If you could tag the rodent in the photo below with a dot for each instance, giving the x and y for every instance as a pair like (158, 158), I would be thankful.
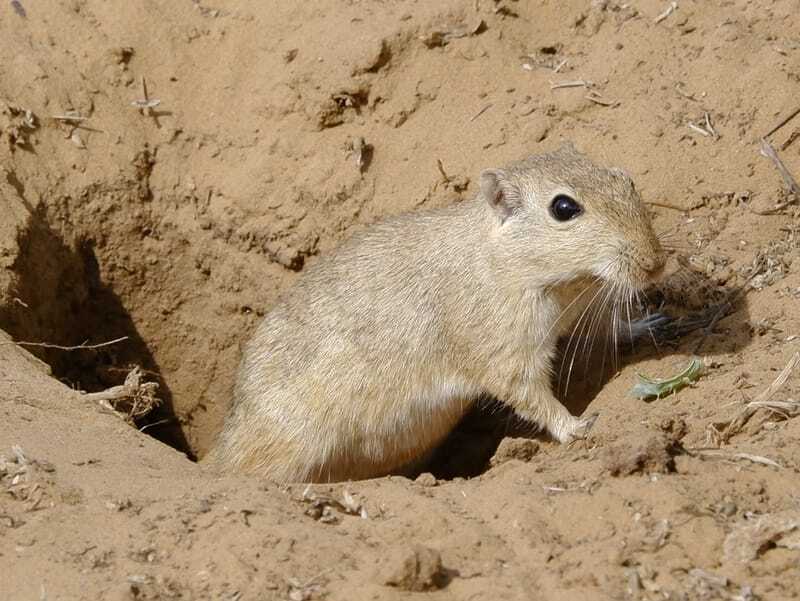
(377, 351)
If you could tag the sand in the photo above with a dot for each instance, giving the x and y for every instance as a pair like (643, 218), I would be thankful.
(271, 131)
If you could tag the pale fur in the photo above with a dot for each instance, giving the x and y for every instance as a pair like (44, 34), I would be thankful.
(378, 350)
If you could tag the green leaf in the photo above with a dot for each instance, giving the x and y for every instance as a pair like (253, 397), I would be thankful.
(650, 388)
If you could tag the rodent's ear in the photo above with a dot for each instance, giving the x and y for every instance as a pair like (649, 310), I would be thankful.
(502, 195)
(620, 172)
(568, 148)
(624, 176)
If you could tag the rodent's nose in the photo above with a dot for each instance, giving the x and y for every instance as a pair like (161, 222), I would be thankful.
(653, 265)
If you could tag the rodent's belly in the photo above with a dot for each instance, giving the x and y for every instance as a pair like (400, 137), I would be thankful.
(400, 430)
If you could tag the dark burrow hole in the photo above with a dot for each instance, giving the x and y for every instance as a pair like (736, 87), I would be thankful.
(64, 301)
(468, 450)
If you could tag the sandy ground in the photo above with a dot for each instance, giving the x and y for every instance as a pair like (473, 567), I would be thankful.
(280, 128)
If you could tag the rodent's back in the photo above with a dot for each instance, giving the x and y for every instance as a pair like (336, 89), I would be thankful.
(318, 346)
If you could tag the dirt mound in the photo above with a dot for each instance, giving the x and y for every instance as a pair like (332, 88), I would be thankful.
(166, 170)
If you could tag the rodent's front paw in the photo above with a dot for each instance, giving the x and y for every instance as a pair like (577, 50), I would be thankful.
(578, 429)
(653, 326)
(585, 425)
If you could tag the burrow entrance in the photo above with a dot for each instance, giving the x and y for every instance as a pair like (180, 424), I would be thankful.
(60, 299)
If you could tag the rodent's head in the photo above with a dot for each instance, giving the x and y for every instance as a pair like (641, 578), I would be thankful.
(559, 218)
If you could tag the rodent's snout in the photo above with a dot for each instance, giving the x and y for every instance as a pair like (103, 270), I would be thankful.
(652, 263)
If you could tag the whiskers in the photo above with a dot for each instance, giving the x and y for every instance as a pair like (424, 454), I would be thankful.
(674, 244)
(602, 319)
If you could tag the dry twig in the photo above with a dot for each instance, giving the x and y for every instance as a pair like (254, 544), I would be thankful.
(81, 346)
(666, 205)
(762, 401)
(134, 398)
(783, 122)
(706, 129)
(145, 104)
(578, 83)
(440, 166)
(715, 453)
(480, 112)
(673, 6)
(598, 99)
(794, 189)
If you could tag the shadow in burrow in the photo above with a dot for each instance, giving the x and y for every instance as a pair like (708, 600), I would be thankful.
(63, 300)
(716, 321)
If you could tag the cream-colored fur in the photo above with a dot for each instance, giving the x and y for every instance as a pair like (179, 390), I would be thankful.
(379, 349)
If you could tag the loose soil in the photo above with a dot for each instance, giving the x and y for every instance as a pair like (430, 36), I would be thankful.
(267, 134)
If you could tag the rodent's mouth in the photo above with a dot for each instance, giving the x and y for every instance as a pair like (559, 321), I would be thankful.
(633, 277)
(639, 278)
(656, 274)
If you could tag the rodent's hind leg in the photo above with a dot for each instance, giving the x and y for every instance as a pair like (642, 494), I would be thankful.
(416, 466)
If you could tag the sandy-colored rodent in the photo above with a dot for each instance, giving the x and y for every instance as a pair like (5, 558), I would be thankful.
(379, 349)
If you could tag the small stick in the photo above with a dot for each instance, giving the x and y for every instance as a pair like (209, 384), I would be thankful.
(145, 104)
(115, 393)
(723, 455)
(673, 6)
(142, 395)
(757, 459)
(665, 205)
(747, 412)
(445, 177)
(152, 425)
(480, 112)
(560, 66)
(768, 151)
(783, 122)
(776, 209)
(710, 128)
(698, 129)
(69, 118)
(791, 140)
(67, 348)
(578, 83)
(598, 99)
(779, 381)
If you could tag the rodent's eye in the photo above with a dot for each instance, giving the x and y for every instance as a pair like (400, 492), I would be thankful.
(564, 208)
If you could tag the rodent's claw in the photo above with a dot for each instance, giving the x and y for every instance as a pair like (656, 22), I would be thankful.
(585, 425)
(579, 429)
(655, 320)
(655, 325)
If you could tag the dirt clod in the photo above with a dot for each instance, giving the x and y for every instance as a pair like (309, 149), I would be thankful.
(751, 538)
(520, 449)
(416, 569)
(426, 479)
(653, 454)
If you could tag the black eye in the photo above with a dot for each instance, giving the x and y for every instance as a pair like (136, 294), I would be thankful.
(564, 208)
